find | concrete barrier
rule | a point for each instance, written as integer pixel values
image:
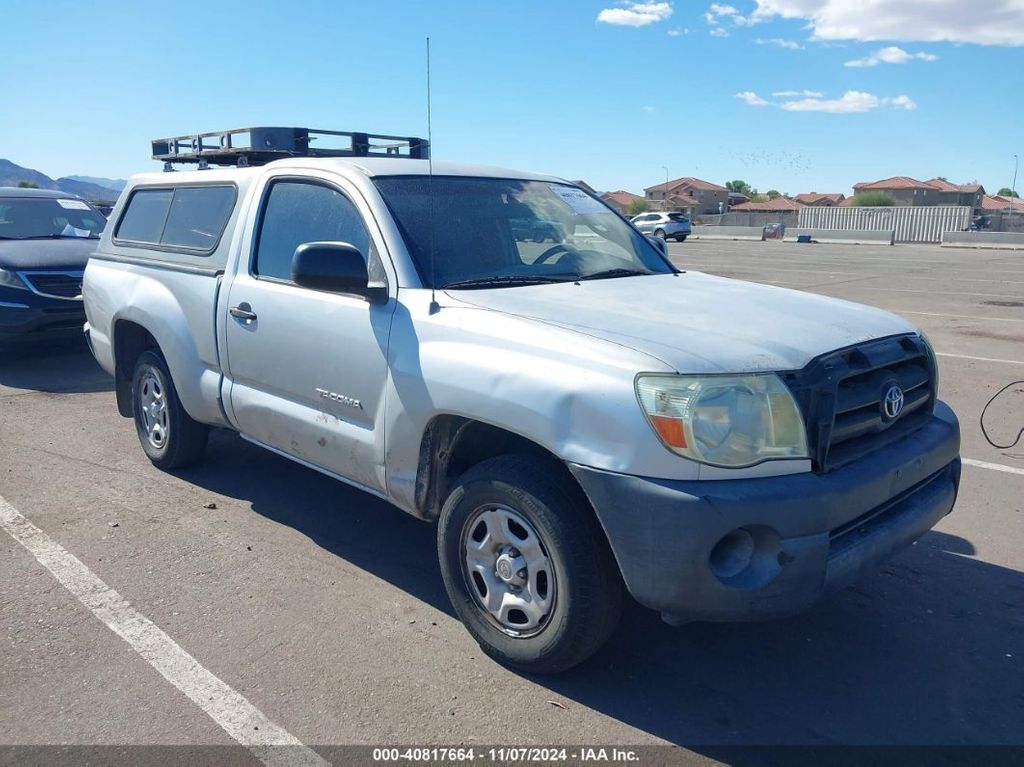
(844, 236)
(996, 240)
(727, 232)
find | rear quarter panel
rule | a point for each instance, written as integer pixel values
(177, 308)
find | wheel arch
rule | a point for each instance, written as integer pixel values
(452, 444)
(130, 339)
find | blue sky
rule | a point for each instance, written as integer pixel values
(605, 91)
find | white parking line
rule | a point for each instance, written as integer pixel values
(959, 316)
(993, 466)
(980, 359)
(269, 742)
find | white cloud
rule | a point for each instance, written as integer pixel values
(849, 103)
(902, 102)
(636, 14)
(890, 55)
(717, 13)
(648, 109)
(678, 32)
(751, 98)
(996, 22)
(719, 32)
(790, 44)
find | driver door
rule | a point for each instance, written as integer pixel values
(308, 368)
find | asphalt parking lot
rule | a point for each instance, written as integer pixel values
(324, 607)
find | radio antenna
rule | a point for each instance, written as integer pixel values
(434, 307)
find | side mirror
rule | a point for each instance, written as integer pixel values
(336, 267)
(659, 244)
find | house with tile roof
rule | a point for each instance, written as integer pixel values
(620, 200)
(937, 191)
(779, 204)
(997, 203)
(693, 195)
(819, 200)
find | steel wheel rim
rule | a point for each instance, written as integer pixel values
(508, 570)
(153, 408)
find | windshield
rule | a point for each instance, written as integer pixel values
(26, 218)
(502, 232)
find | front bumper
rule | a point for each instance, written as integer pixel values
(809, 532)
(25, 315)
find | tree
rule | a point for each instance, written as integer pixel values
(773, 193)
(637, 206)
(27, 185)
(1007, 192)
(873, 200)
(739, 185)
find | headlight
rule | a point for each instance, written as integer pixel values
(933, 361)
(729, 421)
(11, 280)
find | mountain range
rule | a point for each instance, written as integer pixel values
(91, 188)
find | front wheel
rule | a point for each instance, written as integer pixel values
(526, 565)
(169, 436)
(659, 233)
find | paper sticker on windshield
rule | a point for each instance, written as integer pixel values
(72, 204)
(578, 200)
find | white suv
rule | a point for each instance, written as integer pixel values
(665, 226)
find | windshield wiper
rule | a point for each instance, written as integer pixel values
(507, 281)
(56, 236)
(609, 273)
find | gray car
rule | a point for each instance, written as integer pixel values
(665, 226)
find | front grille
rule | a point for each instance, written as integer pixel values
(55, 284)
(841, 395)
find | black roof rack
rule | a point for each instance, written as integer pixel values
(256, 146)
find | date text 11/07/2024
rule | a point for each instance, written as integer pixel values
(505, 754)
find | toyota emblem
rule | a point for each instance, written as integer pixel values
(892, 402)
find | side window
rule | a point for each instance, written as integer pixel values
(197, 217)
(296, 212)
(186, 218)
(145, 217)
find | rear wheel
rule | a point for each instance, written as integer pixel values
(169, 436)
(681, 238)
(526, 565)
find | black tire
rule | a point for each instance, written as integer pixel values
(183, 439)
(587, 588)
(681, 238)
(660, 234)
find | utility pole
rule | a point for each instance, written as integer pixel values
(664, 195)
(1013, 191)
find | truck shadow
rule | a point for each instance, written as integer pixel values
(61, 367)
(927, 651)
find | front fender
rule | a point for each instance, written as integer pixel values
(569, 393)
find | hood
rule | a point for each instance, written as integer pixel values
(66, 253)
(698, 323)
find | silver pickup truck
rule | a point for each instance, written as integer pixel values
(581, 418)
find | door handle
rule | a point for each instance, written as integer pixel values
(243, 312)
